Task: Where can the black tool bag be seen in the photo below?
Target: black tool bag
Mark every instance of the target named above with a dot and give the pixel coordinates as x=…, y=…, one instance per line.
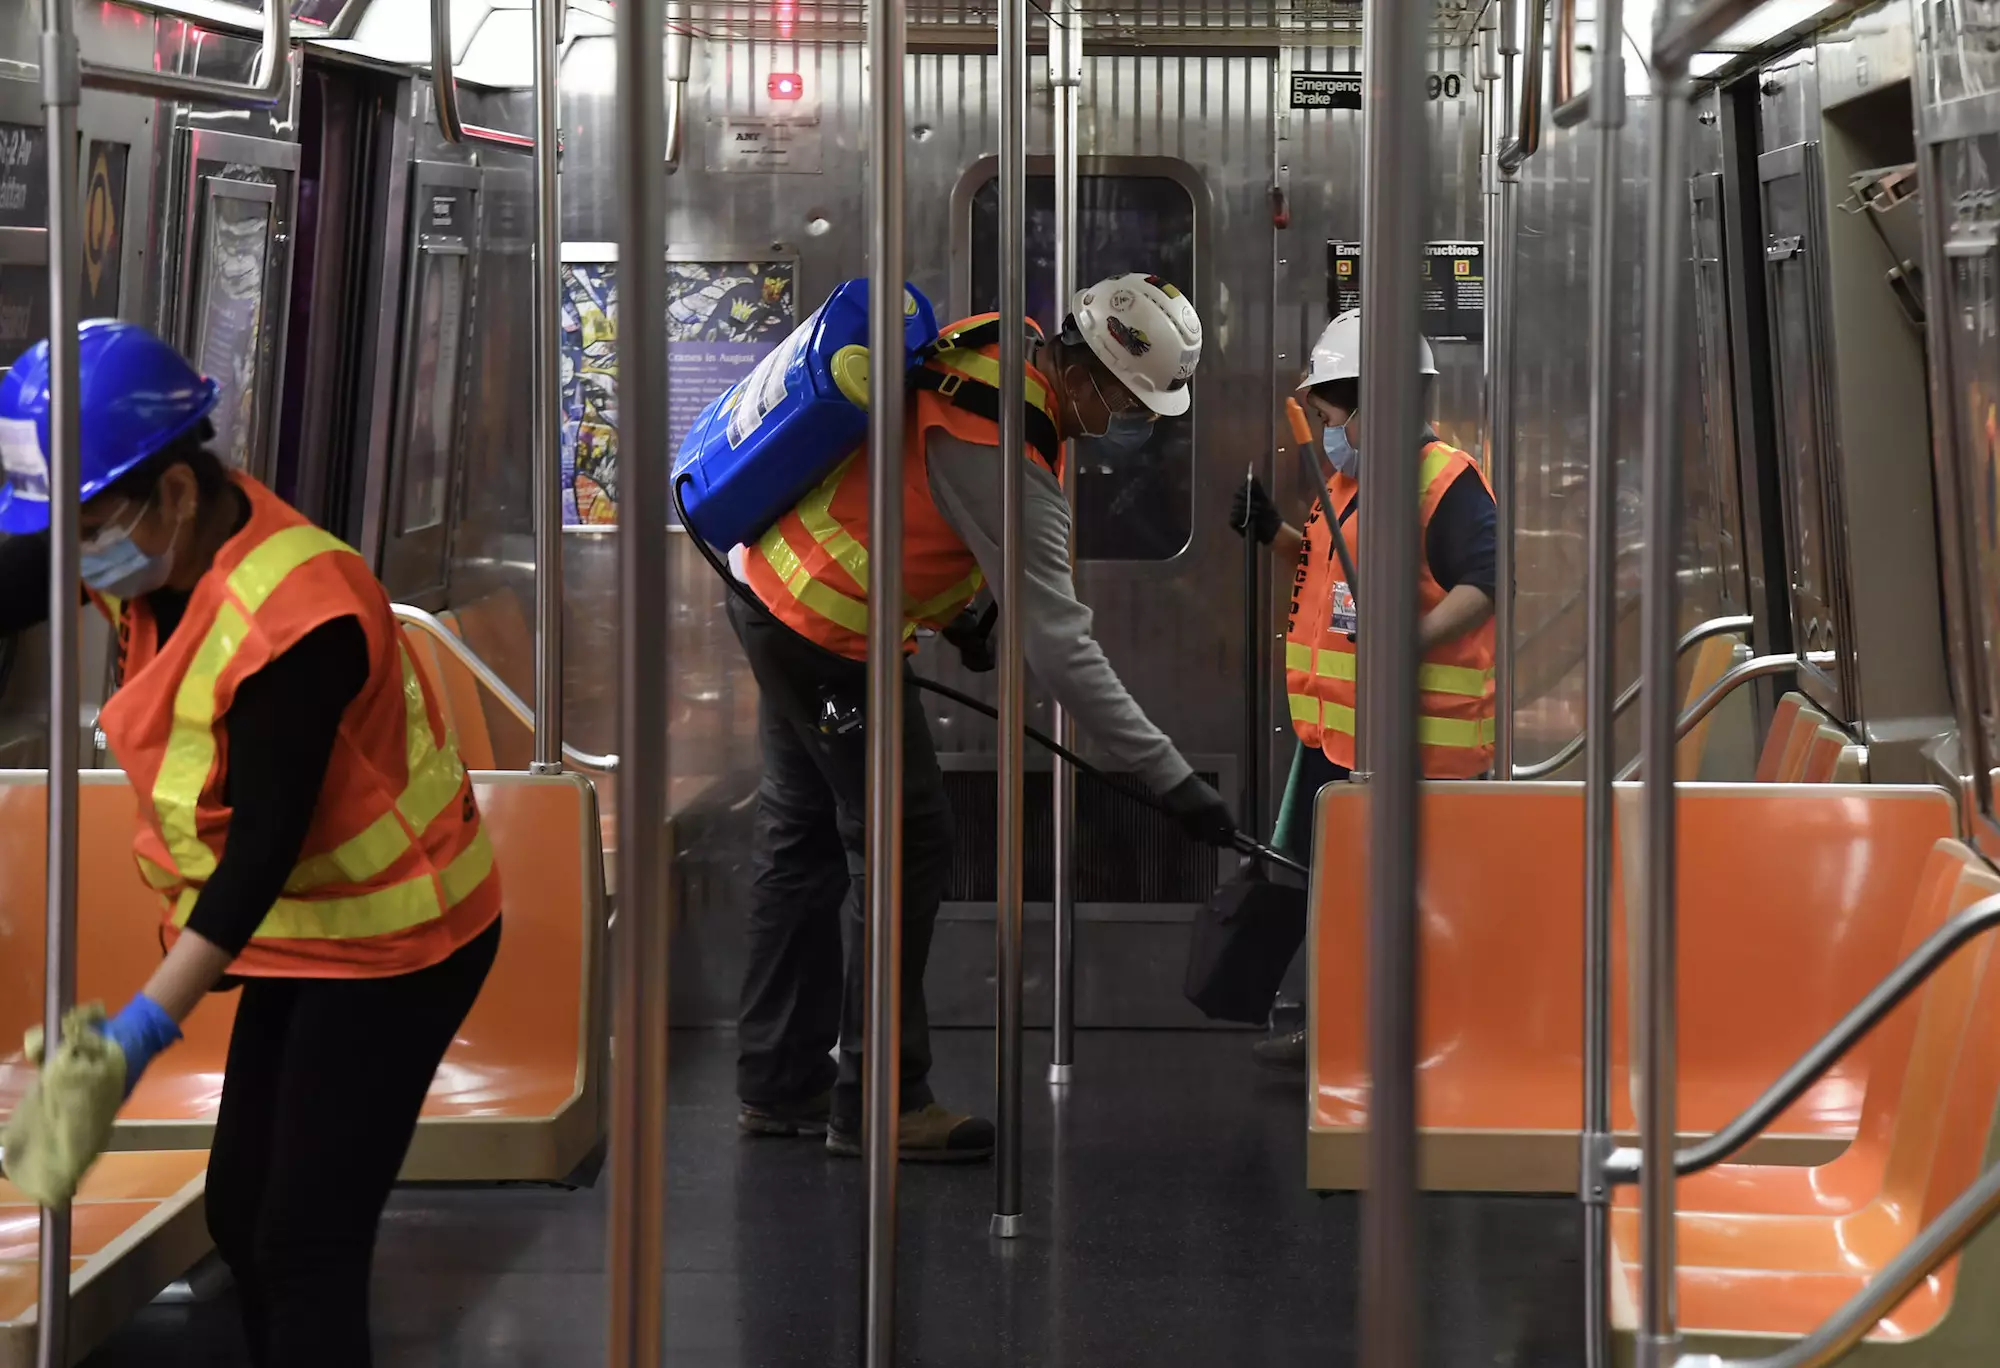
x=1242, y=943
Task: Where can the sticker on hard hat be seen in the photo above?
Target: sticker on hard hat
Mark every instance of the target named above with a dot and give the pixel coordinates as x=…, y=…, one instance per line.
x=1133, y=340
x=21, y=456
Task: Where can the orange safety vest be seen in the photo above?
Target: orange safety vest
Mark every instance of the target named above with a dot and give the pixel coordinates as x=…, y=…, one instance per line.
x=1454, y=681
x=396, y=872
x=811, y=568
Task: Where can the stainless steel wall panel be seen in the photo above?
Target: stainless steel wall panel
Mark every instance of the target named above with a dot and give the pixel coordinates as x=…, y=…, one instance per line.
x=1552, y=409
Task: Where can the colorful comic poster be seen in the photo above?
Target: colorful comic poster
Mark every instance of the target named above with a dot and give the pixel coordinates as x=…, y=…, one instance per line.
x=722, y=318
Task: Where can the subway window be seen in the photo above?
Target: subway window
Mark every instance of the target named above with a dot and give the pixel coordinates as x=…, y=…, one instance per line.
x=1137, y=506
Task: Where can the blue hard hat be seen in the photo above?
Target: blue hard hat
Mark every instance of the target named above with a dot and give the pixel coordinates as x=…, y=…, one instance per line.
x=135, y=396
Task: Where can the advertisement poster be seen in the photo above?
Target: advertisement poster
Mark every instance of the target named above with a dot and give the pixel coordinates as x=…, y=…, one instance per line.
x=722, y=319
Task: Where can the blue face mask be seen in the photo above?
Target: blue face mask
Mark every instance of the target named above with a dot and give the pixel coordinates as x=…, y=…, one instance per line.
x=113, y=564
x=1125, y=435
x=1341, y=454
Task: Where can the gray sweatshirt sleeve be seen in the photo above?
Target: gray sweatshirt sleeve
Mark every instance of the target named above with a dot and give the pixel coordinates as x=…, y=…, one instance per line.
x=1056, y=636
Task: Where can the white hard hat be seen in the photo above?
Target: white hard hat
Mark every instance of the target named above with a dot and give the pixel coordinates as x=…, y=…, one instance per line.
x=1337, y=354
x=1146, y=333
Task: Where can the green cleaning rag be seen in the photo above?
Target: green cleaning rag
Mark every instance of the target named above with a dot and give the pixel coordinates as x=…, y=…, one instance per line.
x=64, y=1122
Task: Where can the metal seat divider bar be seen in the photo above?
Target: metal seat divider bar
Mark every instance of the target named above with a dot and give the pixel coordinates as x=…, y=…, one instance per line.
x=1714, y=627
x=489, y=680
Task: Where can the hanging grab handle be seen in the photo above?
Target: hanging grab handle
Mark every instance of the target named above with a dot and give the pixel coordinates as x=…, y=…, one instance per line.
x=1528, y=122
x=444, y=85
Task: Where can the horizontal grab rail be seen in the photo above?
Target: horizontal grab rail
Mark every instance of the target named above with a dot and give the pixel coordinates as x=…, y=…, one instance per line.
x=1528, y=124
x=1828, y=1050
x=428, y=624
x=444, y=87
x=261, y=92
x=1717, y=626
x=1901, y=1276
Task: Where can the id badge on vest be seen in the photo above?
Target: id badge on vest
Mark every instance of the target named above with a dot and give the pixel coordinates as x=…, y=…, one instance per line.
x=1342, y=617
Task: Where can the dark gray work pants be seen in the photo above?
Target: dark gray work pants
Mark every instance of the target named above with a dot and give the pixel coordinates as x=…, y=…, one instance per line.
x=804, y=988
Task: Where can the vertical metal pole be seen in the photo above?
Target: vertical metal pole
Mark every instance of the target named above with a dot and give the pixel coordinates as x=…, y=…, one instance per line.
x=1395, y=161
x=1006, y=1221
x=639, y=1012
x=1659, y=1335
x=1607, y=121
x=1065, y=82
x=60, y=92
x=547, y=367
x=1500, y=401
x=882, y=1046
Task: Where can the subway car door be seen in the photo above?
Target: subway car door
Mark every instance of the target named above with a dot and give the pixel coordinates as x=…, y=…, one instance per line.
x=424, y=457
x=237, y=201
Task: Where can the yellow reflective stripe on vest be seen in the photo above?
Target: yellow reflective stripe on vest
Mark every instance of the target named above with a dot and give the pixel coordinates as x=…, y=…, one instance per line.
x=813, y=510
x=190, y=752
x=1436, y=457
x=383, y=912
x=985, y=370
x=1431, y=731
x=436, y=777
x=1462, y=680
x=959, y=593
x=820, y=597
x=1298, y=656
x=842, y=609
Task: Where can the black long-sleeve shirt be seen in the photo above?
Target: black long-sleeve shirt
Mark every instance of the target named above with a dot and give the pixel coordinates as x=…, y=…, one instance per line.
x=281, y=729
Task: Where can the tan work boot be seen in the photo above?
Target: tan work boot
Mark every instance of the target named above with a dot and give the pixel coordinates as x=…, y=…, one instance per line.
x=928, y=1135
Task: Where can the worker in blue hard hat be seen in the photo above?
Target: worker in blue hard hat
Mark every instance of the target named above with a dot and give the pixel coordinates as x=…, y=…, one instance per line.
x=305, y=821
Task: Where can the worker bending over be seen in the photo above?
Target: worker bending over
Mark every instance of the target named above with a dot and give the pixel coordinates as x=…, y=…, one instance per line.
x=1455, y=583
x=1123, y=359
x=304, y=819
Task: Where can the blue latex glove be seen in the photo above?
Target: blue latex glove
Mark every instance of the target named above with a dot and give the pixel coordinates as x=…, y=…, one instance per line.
x=140, y=1031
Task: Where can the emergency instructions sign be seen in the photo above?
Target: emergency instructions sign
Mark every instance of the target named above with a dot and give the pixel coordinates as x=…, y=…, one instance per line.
x=1453, y=276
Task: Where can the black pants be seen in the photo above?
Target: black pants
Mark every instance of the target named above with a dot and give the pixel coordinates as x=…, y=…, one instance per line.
x=324, y=1082
x=803, y=988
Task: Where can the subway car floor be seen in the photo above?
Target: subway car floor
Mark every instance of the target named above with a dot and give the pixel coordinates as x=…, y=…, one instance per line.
x=1167, y=1225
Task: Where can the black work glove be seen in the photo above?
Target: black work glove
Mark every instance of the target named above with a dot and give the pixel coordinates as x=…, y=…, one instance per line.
x=972, y=633
x=1252, y=511
x=1201, y=812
